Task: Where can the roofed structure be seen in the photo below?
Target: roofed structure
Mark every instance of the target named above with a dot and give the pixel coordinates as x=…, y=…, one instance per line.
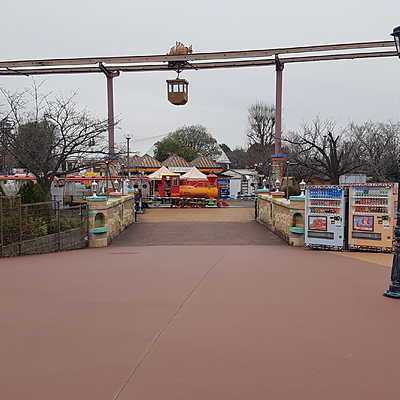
x=145, y=164
x=223, y=159
x=175, y=161
x=161, y=172
x=194, y=175
x=206, y=165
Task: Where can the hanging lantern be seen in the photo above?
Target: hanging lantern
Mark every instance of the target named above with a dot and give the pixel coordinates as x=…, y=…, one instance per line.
x=178, y=91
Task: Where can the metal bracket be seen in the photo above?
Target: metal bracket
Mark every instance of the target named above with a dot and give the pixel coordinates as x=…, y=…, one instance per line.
x=107, y=72
x=179, y=66
x=279, y=65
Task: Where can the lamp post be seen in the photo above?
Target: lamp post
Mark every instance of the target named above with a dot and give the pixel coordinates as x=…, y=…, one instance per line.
x=277, y=185
x=116, y=185
x=94, y=188
x=394, y=288
x=128, y=138
x=269, y=166
x=302, y=185
x=288, y=164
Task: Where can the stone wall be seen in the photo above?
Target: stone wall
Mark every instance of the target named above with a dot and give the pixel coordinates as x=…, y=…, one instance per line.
x=108, y=217
x=283, y=217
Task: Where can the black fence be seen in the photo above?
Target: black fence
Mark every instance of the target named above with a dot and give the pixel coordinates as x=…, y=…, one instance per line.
x=40, y=227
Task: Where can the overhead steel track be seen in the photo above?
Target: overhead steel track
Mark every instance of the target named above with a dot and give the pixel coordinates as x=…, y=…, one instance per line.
x=243, y=58
x=197, y=66
x=278, y=57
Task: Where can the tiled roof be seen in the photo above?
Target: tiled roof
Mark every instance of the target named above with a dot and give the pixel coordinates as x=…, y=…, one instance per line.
x=223, y=158
x=175, y=161
x=144, y=162
x=135, y=161
x=204, y=162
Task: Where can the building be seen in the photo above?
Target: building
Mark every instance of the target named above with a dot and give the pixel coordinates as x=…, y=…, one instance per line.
x=240, y=182
x=223, y=160
x=206, y=165
x=177, y=164
x=145, y=165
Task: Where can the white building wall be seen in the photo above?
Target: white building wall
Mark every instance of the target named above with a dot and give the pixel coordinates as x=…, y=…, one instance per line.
x=234, y=187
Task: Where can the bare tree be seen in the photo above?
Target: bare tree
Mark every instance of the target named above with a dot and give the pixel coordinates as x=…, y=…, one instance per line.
x=320, y=151
x=379, y=147
x=50, y=134
x=260, y=134
x=261, y=120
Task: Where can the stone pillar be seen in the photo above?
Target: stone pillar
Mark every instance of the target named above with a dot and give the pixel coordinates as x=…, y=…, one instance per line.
x=98, y=220
x=108, y=217
x=296, y=231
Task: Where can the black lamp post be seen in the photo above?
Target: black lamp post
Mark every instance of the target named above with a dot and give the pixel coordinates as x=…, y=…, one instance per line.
x=394, y=288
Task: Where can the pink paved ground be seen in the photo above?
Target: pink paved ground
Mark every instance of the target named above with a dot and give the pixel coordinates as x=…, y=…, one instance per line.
x=251, y=320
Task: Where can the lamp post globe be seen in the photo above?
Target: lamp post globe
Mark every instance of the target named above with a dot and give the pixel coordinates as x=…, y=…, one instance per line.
x=396, y=36
x=277, y=185
x=94, y=187
x=302, y=185
x=394, y=288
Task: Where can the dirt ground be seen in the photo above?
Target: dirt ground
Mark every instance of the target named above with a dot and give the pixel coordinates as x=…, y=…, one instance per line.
x=243, y=317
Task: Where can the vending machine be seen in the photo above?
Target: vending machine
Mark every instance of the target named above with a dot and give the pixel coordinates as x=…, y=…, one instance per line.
x=223, y=188
x=372, y=216
x=325, y=210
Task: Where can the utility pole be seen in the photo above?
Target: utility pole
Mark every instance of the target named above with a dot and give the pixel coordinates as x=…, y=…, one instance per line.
x=128, y=138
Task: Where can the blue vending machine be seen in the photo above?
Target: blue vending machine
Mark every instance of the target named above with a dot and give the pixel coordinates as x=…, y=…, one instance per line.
x=223, y=188
x=325, y=211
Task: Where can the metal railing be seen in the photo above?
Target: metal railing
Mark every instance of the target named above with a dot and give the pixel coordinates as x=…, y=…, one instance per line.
x=40, y=227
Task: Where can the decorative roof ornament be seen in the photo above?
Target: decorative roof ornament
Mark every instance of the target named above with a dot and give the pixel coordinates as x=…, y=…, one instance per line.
x=180, y=50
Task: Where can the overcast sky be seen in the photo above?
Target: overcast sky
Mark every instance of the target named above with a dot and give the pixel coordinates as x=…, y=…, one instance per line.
x=341, y=90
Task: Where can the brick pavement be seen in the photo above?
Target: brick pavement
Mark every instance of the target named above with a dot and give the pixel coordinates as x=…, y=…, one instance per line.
x=178, y=322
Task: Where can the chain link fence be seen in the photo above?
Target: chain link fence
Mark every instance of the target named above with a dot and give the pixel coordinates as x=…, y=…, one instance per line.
x=40, y=227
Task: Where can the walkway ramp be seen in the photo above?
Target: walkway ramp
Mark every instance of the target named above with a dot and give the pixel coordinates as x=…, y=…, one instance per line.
x=205, y=226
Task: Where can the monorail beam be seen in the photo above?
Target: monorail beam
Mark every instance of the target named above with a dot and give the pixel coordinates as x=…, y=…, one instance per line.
x=196, y=66
x=81, y=61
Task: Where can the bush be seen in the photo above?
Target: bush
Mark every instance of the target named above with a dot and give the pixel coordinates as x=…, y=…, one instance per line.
x=32, y=193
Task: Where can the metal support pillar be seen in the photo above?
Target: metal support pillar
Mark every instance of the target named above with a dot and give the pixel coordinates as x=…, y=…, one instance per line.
x=278, y=107
x=110, y=109
x=127, y=155
x=110, y=75
x=278, y=159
